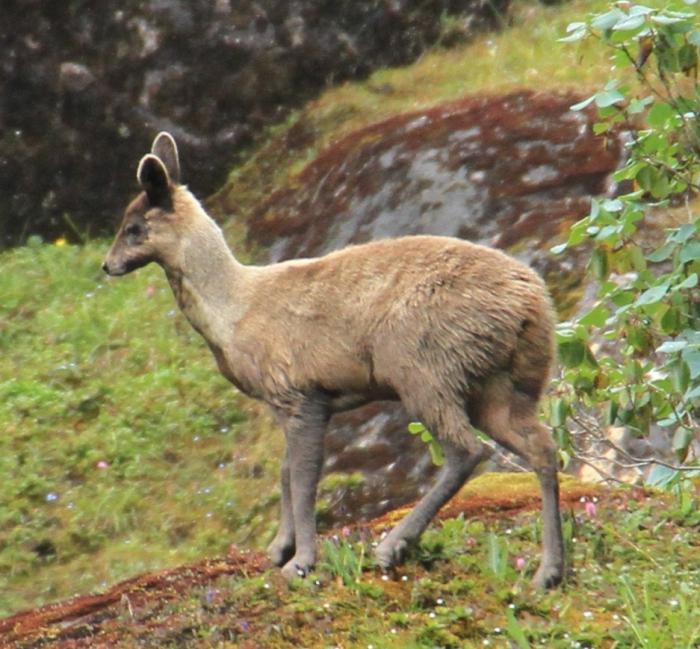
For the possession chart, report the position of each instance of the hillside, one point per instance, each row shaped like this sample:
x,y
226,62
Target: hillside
x,y
466,585
125,456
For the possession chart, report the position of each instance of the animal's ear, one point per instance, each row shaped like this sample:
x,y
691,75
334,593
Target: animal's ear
x,y
164,147
154,180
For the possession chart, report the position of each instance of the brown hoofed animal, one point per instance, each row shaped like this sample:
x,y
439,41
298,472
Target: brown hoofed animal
x,y
460,333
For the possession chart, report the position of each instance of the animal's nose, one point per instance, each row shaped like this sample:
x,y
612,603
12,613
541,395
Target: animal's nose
x,y
104,267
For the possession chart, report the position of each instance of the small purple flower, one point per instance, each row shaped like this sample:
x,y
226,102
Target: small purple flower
x,y
245,627
345,532
102,464
51,497
520,564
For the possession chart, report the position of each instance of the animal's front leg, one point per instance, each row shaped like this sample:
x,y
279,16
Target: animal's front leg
x,y
282,547
305,430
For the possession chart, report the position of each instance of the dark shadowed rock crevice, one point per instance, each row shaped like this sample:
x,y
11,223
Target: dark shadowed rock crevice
x,y
83,85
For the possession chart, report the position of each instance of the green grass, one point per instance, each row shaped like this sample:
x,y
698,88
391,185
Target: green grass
x,y
122,448
634,583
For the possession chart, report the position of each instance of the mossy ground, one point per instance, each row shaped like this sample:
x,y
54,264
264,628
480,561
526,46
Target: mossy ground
x,y
633,581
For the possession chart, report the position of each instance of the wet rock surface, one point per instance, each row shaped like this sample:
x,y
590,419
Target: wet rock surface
x,y
85,86
503,170
509,171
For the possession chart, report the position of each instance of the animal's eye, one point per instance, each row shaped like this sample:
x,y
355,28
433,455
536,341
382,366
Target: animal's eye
x,y
132,230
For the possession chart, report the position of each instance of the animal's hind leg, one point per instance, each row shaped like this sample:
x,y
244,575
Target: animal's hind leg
x,y
460,461
510,418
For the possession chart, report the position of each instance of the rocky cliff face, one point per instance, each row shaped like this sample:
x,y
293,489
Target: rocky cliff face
x,y
85,85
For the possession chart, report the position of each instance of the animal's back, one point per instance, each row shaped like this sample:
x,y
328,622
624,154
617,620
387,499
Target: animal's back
x,y
383,312
460,313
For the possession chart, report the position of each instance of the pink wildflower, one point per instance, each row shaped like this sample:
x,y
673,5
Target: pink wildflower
x,y
591,509
520,564
345,532
102,465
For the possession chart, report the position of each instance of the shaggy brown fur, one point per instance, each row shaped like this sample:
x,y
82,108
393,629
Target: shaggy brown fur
x,y
460,333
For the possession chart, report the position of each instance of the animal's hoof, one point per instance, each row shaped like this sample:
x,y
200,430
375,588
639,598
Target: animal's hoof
x,y
390,553
547,577
295,569
280,552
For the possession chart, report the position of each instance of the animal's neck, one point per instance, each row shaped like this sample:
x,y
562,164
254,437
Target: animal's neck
x,y
210,285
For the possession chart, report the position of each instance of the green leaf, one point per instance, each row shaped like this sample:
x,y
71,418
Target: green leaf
x,y
571,353
596,317
687,57
682,438
599,264
690,252
671,346
612,205
608,20
659,114
606,98
515,631
652,295
682,234
611,413
559,412
578,232
416,428
436,453
630,23
660,19
662,253
661,476
660,187
680,376
694,38
582,104
671,321
574,36
692,360
638,105
689,282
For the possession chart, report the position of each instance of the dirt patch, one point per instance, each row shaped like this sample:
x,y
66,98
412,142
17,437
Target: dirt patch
x,y
65,623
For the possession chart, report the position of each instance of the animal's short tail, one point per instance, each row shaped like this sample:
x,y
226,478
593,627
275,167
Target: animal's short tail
x,y
533,357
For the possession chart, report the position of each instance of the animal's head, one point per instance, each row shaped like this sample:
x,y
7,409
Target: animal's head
x,y
150,227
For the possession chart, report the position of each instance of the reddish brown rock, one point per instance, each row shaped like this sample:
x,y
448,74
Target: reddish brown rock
x,y
500,170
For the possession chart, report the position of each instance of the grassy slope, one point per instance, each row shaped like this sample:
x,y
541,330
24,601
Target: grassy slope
x,y
467,585
95,371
